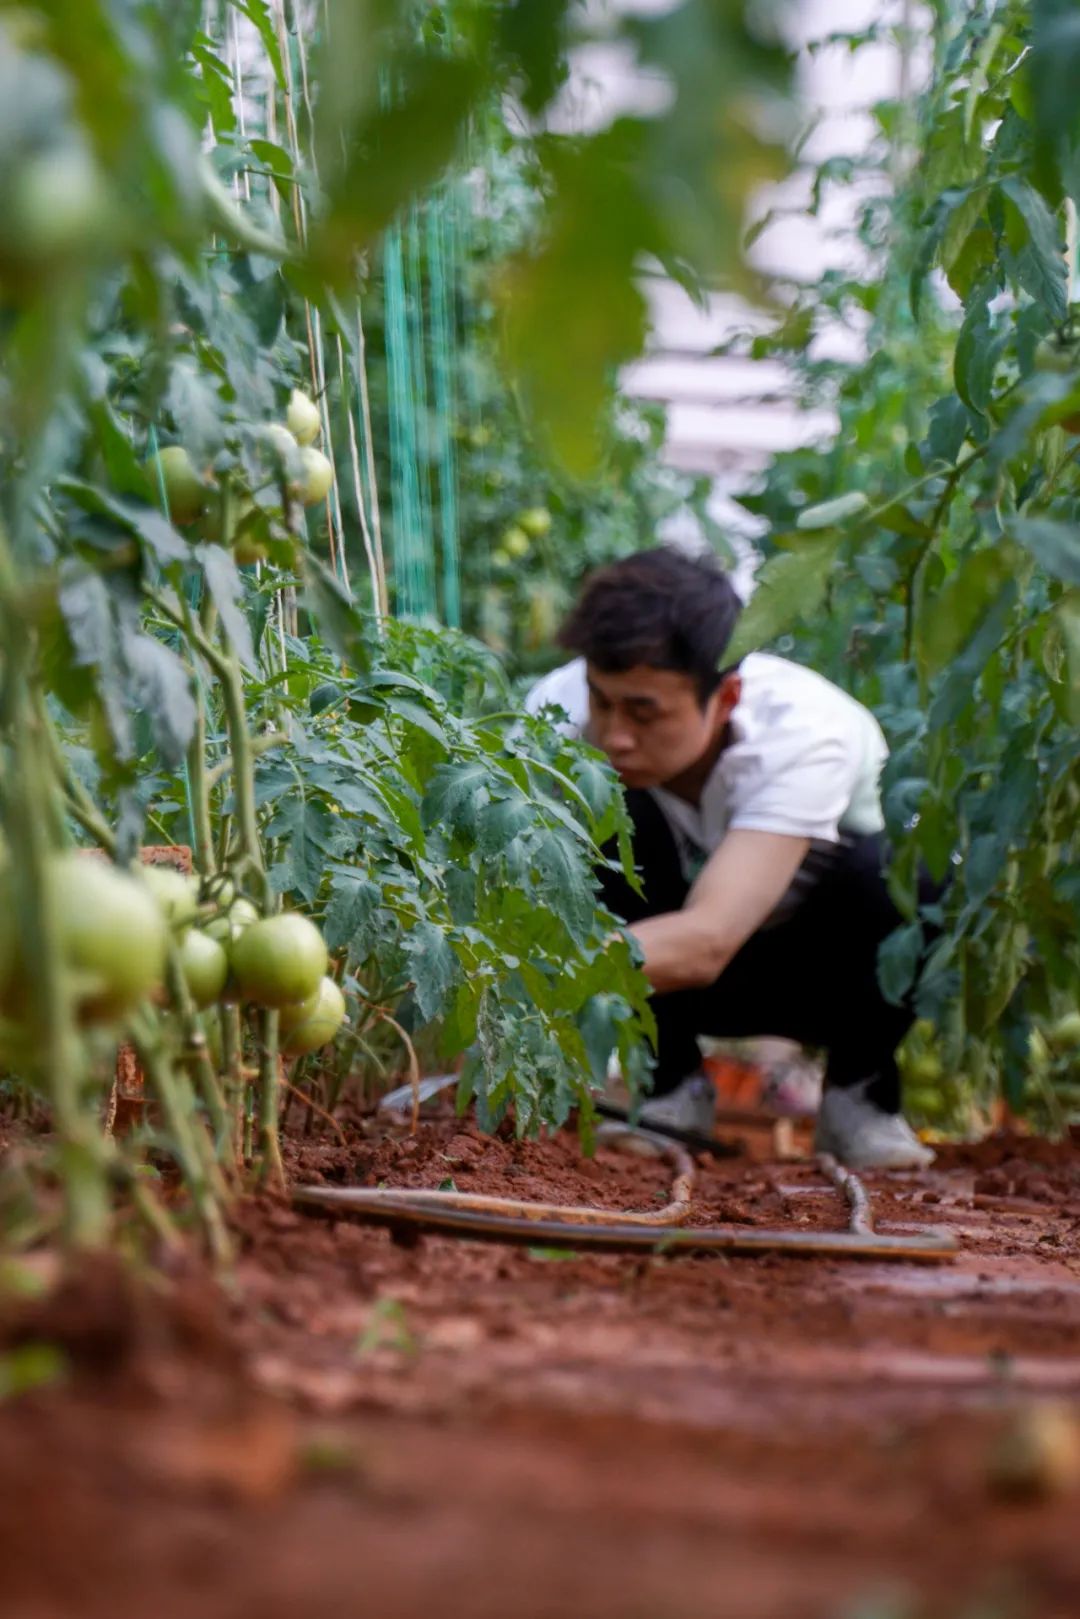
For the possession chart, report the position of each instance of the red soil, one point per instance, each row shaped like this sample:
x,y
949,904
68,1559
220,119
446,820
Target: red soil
x,y
347,1426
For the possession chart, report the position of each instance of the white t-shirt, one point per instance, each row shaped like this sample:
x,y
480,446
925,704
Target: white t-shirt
x,y
804,759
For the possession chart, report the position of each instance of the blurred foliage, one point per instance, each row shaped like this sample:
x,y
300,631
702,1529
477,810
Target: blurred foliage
x,y
949,600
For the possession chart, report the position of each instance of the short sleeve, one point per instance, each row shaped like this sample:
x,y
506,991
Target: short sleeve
x,y
801,787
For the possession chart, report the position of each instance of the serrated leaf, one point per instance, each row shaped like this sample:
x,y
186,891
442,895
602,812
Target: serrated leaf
x,y
596,785
455,797
789,586
433,967
161,690
499,823
1040,261
354,904
87,611
143,522
312,835
565,883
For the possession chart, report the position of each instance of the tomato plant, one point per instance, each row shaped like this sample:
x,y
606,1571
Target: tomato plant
x,y
194,596
944,588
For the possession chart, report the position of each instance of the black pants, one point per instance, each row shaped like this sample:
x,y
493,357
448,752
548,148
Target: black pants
x,y
811,977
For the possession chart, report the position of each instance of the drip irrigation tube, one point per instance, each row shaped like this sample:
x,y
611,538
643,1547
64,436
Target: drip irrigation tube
x,y
861,1221
471,1217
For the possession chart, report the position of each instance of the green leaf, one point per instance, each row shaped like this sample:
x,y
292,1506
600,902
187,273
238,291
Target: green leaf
x,y
581,283
977,354
455,797
193,399
335,611
1055,70
599,1025
1055,546
499,823
143,522
832,513
531,35
313,835
161,691
259,14
596,783
354,905
433,967
392,153
953,615
789,586
1041,266
898,962
1067,615
227,588
87,611
566,885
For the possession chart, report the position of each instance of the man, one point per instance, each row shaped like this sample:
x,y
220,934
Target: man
x,y
758,834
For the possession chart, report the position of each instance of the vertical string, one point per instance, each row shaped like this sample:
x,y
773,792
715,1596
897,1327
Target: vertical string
x,y
442,343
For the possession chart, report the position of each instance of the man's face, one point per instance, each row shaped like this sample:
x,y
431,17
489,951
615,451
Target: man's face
x,y
651,724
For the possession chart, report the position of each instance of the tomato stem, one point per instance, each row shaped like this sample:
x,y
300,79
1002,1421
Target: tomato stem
x,y
272,1169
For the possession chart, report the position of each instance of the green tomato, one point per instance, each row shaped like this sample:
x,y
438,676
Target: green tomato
x,y
111,934
316,476
218,889
177,894
279,960
59,207
282,445
185,492
312,1023
925,1070
302,418
232,921
516,543
536,522
924,1100
205,967
500,558
248,549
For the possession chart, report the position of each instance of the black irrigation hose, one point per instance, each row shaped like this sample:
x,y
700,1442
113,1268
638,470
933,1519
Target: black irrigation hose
x,y
410,1215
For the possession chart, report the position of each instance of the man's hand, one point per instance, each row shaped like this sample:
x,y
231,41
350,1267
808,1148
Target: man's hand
x,y
737,891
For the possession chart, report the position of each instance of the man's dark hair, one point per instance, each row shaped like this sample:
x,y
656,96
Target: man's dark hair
x,y
660,608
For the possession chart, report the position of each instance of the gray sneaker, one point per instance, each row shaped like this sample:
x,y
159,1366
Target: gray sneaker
x,y
864,1136
690,1106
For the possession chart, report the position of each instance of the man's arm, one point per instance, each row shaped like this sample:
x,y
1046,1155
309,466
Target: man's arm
x,y
739,888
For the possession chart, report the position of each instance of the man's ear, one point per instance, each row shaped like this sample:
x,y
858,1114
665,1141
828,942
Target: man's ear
x,y
727,695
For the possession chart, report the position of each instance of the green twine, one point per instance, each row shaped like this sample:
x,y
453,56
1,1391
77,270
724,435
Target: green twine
x,y
405,488
442,344
422,418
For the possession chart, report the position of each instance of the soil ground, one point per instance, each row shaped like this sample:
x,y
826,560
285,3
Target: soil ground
x,y
348,1426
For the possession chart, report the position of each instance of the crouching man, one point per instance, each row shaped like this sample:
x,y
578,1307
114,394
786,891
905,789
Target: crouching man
x,y
758,835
